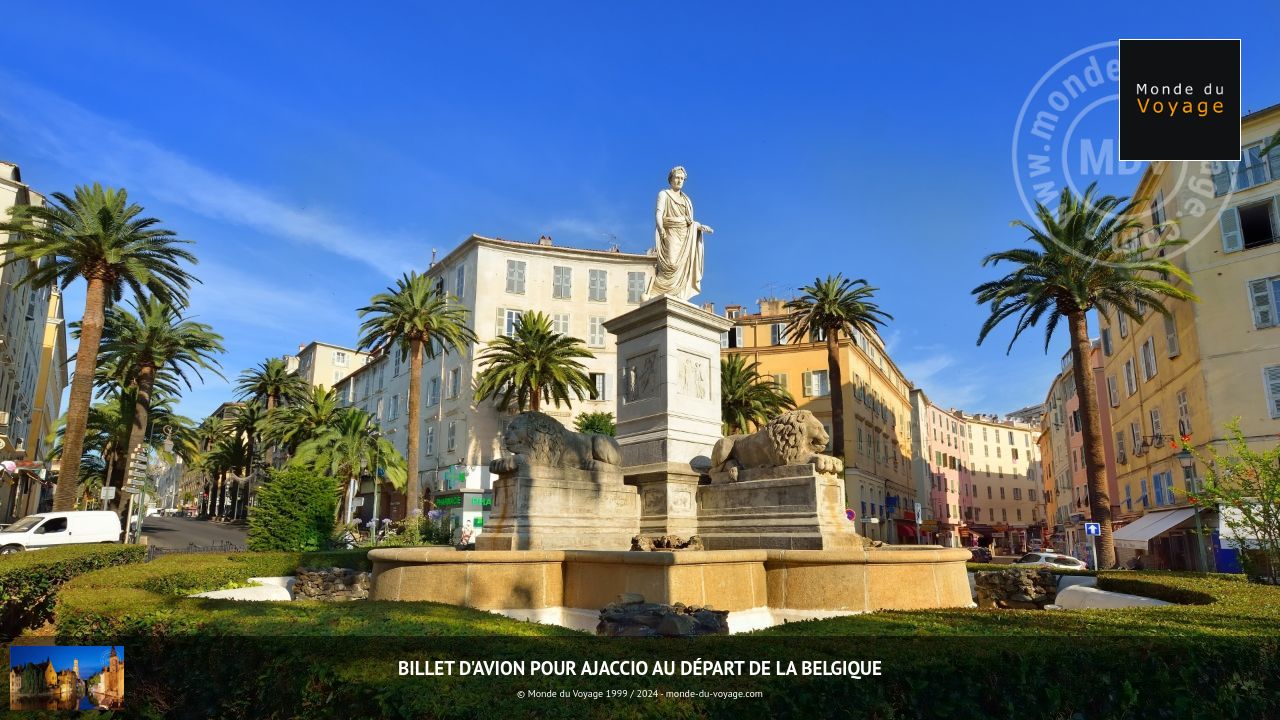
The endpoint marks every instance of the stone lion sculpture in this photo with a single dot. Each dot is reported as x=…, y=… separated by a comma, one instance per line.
x=534, y=438
x=793, y=438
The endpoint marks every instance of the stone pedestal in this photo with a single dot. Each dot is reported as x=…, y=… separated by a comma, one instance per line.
x=783, y=508
x=668, y=406
x=545, y=508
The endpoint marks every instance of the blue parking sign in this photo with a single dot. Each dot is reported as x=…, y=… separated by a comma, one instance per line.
x=1092, y=528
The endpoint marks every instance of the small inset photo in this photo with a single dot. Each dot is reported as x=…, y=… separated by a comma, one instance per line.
x=66, y=677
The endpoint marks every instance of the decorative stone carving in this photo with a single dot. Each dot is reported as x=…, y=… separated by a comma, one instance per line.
x=631, y=616
x=641, y=377
x=534, y=438
x=693, y=375
x=646, y=543
x=793, y=438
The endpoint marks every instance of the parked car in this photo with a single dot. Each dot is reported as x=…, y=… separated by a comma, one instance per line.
x=1051, y=561
x=60, y=528
x=980, y=554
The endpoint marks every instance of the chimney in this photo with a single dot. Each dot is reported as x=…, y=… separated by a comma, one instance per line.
x=545, y=240
x=709, y=307
x=433, y=258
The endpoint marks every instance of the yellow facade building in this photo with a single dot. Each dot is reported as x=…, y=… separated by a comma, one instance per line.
x=1212, y=361
x=877, y=406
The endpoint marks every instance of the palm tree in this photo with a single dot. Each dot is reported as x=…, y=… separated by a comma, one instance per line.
x=248, y=423
x=352, y=447
x=290, y=426
x=421, y=322
x=826, y=309
x=271, y=382
x=99, y=236
x=533, y=364
x=136, y=347
x=747, y=398
x=1083, y=257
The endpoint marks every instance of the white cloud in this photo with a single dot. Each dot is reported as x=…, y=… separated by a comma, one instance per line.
x=98, y=147
x=229, y=294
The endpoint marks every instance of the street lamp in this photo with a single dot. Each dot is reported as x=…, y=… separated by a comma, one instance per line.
x=1188, y=462
x=375, y=435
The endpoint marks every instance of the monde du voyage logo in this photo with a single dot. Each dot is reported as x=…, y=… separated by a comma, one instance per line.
x=1180, y=100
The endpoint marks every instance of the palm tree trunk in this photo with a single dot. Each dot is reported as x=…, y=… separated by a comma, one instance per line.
x=837, y=393
x=1094, y=463
x=412, y=500
x=535, y=400
x=64, y=497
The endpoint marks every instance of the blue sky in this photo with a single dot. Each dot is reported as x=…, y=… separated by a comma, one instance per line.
x=314, y=155
x=92, y=657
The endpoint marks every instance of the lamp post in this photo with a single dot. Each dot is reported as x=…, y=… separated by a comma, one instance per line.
x=1188, y=462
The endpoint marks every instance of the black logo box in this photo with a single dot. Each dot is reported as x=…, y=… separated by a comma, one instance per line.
x=1187, y=68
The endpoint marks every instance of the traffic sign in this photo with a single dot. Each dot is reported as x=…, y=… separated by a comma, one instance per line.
x=1092, y=528
x=132, y=490
x=108, y=493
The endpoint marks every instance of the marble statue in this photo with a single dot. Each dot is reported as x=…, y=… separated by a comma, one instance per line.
x=792, y=438
x=678, y=238
x=537, y=439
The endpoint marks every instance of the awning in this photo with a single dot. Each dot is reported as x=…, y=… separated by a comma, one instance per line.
x=1136, y=534
x=905, y=529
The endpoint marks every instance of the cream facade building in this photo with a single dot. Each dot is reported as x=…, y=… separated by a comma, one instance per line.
x=1189, y=375
x=324, y=365
x=879, y=484
x=28, y=381
x=497, y=281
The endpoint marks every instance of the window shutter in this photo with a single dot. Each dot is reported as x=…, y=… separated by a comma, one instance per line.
x=1221, y=178
x=1229, y=221
x=1157, y=481
x=805, y=383
x=1112, y=392
x=1272, y=377
x=1273, y=160
x=1263, y=314
x=500, y=324
x=1171, y=336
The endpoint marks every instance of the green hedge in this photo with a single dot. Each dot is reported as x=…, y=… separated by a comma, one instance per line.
x=1218, y=658
x=29, y=581
x=980, y=567
x=294, y=512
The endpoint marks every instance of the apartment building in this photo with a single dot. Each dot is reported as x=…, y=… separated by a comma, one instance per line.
x=1184, y=377
x=324, y=365
x=942, y=472
x=497, y=281
x=879, y=484
x=28, y=381
x=1006, y=483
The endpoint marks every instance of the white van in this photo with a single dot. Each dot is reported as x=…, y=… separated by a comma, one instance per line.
x=60, y=528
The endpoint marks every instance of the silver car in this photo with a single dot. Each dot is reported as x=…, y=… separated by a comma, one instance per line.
x=1051, y=561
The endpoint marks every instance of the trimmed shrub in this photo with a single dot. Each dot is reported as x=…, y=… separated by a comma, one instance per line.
x=294, y=513
x=29, y=581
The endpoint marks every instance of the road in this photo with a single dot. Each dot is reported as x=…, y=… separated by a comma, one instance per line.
x=178, y=533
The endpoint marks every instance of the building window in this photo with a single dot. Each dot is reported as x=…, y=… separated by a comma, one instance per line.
x=1250, y=226
x=1017, y=493
x=780, y=379
x=560, y=323
x=778, y=334
x=597, y=284
x=1113, y=394
x=561, y=282
x=1271, y=377
x=1171, y=337
x=1148, y=354
x=988, y=488
x=508, y=318
x=1158, y=483
x=1130, y=380
x=816, y=384
x=433, y=391
x=1252, y=169
x=1128, y=497
x=1120, y=456
x=635, y=287
x=1014, y=452
x=429, y=445
x=1135, y=434
x=1264, y=298
x=1184, y=414
x=460, y=281
x=1031, y=494
x=596, y=331
x=1106, y=341
x=339, y=358
x=452, y=437
x=599, y=386
x=515, y=276
x=1001, y=493
x=395, y=407
x=817, y=335
x=1004, y=515
x=455, y=382
x=1122, y=324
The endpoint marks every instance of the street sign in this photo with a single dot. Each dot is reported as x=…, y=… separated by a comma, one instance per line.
x=919, y=511
x=1092, y=528
x=132, y=490
x=108, y=493
x=357, y=502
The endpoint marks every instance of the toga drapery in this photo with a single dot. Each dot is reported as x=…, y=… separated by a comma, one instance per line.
x=679, y=242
